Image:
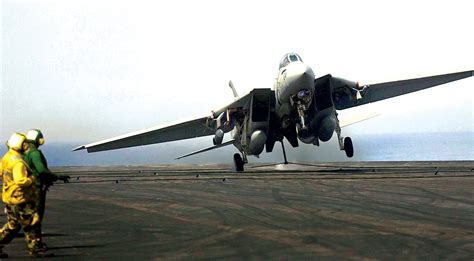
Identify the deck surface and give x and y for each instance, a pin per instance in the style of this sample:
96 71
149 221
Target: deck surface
393 210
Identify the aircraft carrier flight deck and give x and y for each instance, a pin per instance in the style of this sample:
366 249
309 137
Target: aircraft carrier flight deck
351 210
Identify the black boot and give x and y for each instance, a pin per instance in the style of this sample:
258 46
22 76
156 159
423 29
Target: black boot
42 246
40 252
2 254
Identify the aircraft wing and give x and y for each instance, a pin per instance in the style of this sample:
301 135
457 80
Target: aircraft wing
169 132
186 129
241 102
347 97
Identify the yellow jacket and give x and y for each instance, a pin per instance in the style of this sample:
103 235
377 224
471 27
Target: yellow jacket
18 184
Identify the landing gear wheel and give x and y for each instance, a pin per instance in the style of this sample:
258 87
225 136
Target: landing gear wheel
238 162
348 148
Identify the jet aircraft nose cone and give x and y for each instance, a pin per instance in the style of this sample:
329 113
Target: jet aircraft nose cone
298 70
299 74
296 76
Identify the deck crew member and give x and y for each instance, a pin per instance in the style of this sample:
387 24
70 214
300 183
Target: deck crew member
20 196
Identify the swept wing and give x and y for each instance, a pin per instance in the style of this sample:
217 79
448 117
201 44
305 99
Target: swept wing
186 129
348 97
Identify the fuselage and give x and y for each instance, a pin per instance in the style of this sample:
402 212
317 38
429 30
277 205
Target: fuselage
296 116
294 78
295 93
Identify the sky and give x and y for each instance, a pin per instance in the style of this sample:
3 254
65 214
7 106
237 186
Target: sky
84 71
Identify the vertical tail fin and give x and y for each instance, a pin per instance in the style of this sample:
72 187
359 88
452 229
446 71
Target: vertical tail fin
231 85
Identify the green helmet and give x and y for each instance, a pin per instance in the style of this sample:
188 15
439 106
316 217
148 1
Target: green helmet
35 136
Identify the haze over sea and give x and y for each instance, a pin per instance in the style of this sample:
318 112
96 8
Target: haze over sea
375 147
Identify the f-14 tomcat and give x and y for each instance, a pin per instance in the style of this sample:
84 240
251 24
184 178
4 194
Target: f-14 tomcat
300 108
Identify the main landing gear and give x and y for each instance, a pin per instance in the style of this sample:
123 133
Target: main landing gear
239 162
345 144
348 148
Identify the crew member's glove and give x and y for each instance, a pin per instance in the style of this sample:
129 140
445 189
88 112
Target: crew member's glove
46 181
64 178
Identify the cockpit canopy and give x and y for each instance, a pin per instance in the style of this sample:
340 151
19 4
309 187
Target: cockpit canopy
289 58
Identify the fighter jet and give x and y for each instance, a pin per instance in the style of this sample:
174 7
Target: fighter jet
299 108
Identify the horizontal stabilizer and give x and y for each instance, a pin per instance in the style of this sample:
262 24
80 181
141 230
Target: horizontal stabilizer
357 118
207 149
82 147
231 85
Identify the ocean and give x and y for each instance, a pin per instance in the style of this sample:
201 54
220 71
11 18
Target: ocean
378 147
